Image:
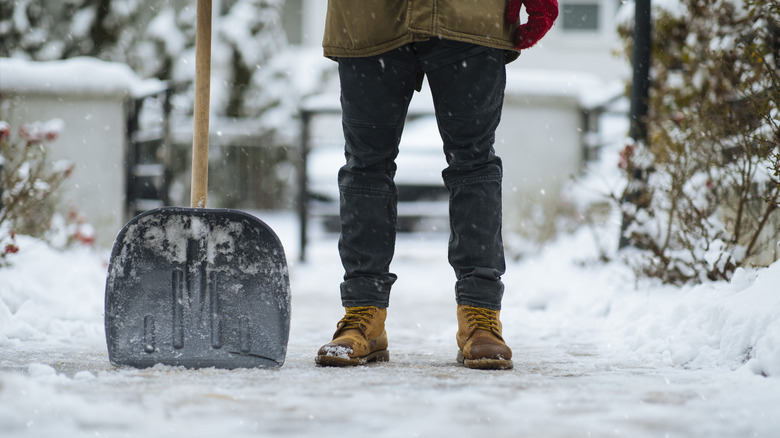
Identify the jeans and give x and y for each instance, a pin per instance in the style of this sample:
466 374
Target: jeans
467 83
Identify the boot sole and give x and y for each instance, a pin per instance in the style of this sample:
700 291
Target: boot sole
485 363
338 361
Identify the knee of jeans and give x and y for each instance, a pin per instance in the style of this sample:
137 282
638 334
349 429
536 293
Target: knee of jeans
362 183
491 172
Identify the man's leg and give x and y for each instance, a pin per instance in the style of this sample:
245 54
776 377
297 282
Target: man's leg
468 96
375 95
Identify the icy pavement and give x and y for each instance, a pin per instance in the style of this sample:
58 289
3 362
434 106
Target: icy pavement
595 355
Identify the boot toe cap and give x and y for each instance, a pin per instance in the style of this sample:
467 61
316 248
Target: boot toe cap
489 351
336 350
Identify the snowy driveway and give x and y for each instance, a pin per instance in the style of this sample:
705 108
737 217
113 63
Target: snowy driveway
578 370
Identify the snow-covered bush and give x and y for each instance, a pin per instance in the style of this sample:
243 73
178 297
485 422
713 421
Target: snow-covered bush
247 36
704 190
46 30
28 188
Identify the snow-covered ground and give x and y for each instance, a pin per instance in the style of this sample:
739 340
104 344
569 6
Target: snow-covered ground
596 354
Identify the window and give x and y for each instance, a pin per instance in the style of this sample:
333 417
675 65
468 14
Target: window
580 16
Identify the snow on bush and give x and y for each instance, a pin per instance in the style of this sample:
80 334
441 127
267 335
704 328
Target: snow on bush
28 189
703 192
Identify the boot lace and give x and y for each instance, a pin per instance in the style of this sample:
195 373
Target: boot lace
483 319
356 318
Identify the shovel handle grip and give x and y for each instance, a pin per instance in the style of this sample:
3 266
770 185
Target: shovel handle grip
200 132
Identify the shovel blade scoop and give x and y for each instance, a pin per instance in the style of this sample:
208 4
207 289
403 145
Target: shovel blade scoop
197 288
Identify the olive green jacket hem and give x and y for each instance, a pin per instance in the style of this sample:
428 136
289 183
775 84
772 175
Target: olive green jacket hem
360 28
378 49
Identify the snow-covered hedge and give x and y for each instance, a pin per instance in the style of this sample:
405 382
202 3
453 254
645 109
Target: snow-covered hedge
704 192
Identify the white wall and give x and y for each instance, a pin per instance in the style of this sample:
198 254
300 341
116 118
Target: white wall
539 140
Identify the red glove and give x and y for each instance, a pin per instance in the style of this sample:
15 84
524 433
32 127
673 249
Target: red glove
541 16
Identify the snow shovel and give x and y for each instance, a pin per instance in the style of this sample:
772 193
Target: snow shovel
198 287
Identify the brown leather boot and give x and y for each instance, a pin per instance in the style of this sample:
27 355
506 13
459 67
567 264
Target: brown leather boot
479 339
360 338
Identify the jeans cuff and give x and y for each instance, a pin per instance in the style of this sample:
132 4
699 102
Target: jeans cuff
379 304
479 292
478 304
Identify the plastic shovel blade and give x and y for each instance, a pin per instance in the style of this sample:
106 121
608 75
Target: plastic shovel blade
197 288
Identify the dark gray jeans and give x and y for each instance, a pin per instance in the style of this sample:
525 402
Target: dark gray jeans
467 82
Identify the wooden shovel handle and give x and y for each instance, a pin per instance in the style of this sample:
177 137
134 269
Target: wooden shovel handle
200 133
